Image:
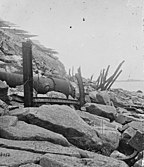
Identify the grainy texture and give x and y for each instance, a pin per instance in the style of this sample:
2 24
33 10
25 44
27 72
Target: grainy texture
63 161
64 120
24 131
14 158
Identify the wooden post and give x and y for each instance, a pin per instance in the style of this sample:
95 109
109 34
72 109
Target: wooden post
27 73
81 87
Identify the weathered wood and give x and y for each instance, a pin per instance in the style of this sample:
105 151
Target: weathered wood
119 66
102 76
27 73
104 83
114 79
81 87
106 73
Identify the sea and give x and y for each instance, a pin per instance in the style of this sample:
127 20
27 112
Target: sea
129 85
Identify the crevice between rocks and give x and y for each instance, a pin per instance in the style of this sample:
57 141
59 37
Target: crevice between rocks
72 135
66 132
36 151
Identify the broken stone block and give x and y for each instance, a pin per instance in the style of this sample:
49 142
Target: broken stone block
118 155
110 138
139 163
97 120
3 91
125 148
41 147
20 130
103 98
121 110
3 85
116 124
120 118
92 96
11 157
53 160
4 98
64 120
140 155
137 125
6 121
101 110
123 128
125 118
104 128
137 142
129 133
4 108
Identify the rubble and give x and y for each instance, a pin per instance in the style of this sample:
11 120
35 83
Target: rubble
42 147
139 163
105 128
63 161
65 121
24 131
12 157
101 110
82 134
137 141
101 97
104 83
3 91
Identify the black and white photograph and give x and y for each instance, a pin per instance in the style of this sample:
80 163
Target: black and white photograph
71 83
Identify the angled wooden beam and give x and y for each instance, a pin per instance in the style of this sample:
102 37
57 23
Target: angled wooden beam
81 87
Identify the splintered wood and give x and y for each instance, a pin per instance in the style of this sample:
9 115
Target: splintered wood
105 83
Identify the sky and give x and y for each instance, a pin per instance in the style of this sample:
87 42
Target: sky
88 33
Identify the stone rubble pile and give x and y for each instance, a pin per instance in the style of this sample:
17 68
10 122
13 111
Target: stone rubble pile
108 131
101 133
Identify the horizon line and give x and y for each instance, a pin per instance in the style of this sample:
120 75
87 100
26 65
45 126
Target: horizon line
130 80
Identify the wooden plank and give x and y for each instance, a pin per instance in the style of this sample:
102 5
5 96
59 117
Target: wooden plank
27 73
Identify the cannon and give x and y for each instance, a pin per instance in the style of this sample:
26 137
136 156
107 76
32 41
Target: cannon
41 84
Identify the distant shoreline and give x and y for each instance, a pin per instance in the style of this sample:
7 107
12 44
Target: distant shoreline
130 80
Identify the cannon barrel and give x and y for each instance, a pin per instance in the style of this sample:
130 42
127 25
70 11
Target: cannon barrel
41 84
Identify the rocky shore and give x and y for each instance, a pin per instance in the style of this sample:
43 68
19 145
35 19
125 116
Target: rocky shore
107 131
101 133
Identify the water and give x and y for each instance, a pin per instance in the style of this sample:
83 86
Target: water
129 85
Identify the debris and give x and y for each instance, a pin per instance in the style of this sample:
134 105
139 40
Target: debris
139 163
116 154
3 91
104 83
81 88
96 131
137 142
129 133
5 108
101 110
27 73
41 84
